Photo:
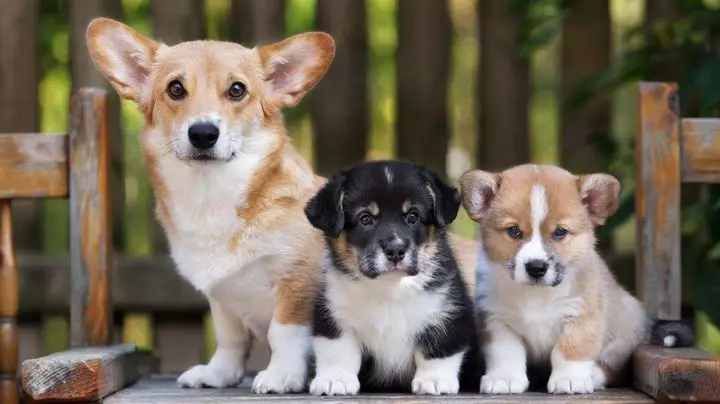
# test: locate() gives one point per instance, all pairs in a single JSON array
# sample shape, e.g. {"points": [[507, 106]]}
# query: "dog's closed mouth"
{"points": [[204, 157]]}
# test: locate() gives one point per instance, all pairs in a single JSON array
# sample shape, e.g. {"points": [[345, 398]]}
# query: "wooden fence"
{"points": [[153, 306]]}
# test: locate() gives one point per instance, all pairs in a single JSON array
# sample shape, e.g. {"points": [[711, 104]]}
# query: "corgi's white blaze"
{"points": [[337, 362], [437, 376], [533, 249], [388, 175]]}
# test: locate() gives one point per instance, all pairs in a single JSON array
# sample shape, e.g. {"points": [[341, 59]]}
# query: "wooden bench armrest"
{"points": [[677, 374]]}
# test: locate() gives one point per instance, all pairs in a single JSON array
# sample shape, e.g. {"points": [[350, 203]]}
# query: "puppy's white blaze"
{"points": [[337, 362], [388, 175], [533, 249], [287, 371], [437, 376], [571, 377]]}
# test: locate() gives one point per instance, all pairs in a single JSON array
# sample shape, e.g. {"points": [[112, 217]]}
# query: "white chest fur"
{"points": [[385, 315]]}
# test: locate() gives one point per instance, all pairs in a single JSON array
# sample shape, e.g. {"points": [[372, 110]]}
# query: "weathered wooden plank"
{"points": [[701, 150], [678, 374], [256, 22], [163, 389], [90, 222], [8, 308], [79, 375], [175, 21], [33, 165], [657, 148]]}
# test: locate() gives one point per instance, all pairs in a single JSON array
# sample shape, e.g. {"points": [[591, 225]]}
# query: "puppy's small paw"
{"points": [[280, 381], [565, 382], [334, 385], [504, 383], [205, 376], [435, 385]]}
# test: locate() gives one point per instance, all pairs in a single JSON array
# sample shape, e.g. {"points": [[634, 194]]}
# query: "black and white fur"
{"points": [[393, 312]]}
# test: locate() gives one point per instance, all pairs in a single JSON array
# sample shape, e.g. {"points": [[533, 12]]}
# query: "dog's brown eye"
{"points": [[366, 220], [514, 232], [237, 91], [412, 217], [559, 234], [176, 91]]}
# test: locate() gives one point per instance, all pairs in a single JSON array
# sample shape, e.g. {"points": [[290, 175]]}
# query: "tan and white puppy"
{"points": [[547, 296], [230, 188]]}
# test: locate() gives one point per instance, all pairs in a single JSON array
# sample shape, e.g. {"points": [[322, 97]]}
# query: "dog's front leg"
{"points": [[227, 366], [289, 337], [506, 361], [574, 370]]}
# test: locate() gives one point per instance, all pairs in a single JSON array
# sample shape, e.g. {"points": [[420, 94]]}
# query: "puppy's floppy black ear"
{"points": [[324, 210], [446, 199]]}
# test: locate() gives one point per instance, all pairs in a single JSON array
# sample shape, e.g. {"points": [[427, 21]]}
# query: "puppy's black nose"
{"points": [[395, 250], [203, 135], [536, 268]]}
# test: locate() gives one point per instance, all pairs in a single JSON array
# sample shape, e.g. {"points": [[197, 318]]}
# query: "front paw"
{"points": [[435, 385], [570, 381], [205, 376], [504, 382], [280, 381], [344, 385]]}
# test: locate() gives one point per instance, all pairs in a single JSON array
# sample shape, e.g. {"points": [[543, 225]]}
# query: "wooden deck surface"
{"points": [[162, 389]]}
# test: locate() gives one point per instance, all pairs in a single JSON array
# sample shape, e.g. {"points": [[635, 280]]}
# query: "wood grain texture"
{"points": [[678, 374], [79, 375], [8, 307], [162, 389], [657, 148], [90, 223], [33, 165], [701, 150]]}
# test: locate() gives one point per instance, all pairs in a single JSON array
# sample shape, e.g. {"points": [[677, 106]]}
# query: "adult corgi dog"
{"points": [[394, 311], [230, 188], [548, 298]]}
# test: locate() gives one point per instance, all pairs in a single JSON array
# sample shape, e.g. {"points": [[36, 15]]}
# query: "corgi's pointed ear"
{"points": [[293, 66], [122, 55], [325, 210], [478, 188], [600, 193], [446, 199]]}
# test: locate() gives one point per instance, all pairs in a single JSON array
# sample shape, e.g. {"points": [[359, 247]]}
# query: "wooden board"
{"points": [[8, 308], [678, 374], [33, 165], [82, 374], [162, 389], [701, 150]]}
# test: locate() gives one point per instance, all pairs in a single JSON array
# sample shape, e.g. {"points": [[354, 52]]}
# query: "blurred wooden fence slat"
{"points": [[8, 307], [175, 21], [19, 109], [422, 75], [339, 104], [33, 165], [84, 74], [504, 93], [257, 21], [585, 50]]}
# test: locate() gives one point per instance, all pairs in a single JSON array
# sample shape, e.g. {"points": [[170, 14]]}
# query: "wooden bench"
{"points": [[670, 150]]}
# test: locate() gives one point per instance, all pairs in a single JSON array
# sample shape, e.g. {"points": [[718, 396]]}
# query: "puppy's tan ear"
{"points": [[478, 189], [122, 55], [293, 66], [600, 193]]}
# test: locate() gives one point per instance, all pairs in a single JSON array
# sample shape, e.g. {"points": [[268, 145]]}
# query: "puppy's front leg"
{"points": [[338, 362], [574, 370], [438, 360], [506, 360], [289, 337], [227, 366]]}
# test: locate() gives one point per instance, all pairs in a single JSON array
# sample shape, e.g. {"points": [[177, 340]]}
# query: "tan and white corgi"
{"points": [[230, 188], [547, 297]]}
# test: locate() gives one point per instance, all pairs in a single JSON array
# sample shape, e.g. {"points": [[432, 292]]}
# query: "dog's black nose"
{"points": [[395, 250], [203, 135], [536, 268]]}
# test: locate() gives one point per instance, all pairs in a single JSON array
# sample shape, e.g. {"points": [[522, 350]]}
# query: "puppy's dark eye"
{"points": [[514, 232], [366, 220], [412, 217], [559, 234], [237, 91], [176, 91]]}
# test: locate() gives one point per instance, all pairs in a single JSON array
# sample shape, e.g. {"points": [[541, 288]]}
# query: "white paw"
{"points": [[280, 381], [504, 383], [345, 385], [205, 376], [563, 381], [435, 385]]}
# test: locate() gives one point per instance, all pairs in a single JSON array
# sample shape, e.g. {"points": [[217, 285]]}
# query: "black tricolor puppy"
{"points": [[393, 312]]}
